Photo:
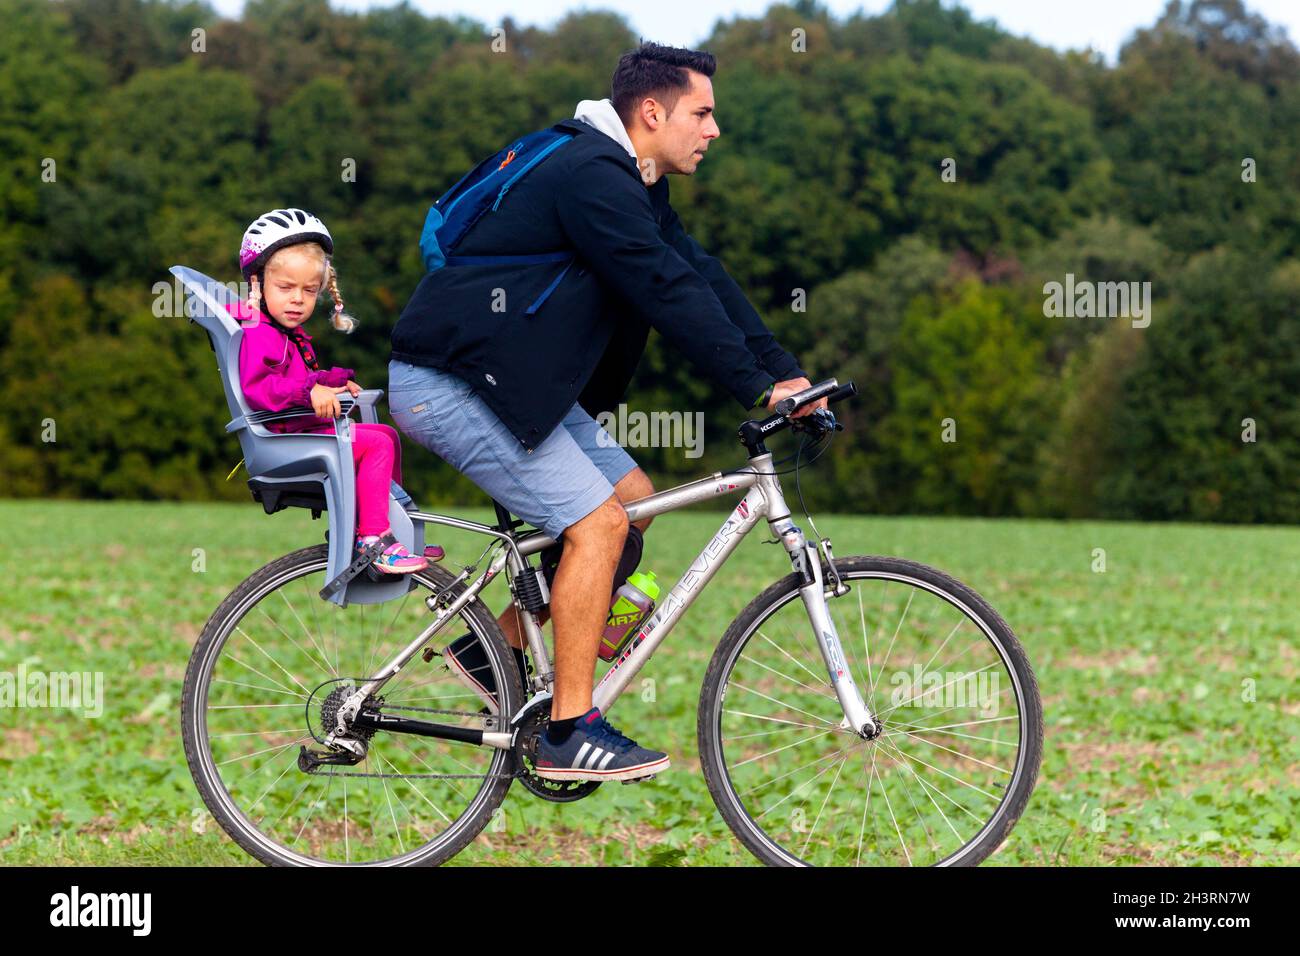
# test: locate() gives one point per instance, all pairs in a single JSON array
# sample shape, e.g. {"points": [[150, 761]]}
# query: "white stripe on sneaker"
{"points": [[596, 754], [605, 763], [577, 761]]}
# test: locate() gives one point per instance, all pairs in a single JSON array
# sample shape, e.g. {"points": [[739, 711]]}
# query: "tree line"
{"points": [[895, 193]]}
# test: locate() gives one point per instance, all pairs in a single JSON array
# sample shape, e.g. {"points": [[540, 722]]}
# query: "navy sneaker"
{"points": [[595, 750], [466, 660]]}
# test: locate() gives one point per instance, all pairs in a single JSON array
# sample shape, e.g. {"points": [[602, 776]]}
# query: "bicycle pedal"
{"points": [[639, 779]]}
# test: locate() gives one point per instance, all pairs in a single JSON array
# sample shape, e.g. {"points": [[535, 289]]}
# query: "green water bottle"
{"points": [[633, 603]]}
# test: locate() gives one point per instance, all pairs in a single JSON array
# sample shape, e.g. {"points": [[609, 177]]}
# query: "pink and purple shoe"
{"points": [[393, 557]]}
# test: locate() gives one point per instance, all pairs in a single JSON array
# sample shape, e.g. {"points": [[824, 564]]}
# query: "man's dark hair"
{"points": [[657, 71]]}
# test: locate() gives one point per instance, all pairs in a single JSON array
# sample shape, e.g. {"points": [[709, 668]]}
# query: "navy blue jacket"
{"points": [[634, 267]]}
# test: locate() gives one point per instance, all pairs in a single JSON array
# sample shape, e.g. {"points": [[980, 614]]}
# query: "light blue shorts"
{"points": [[566, 478]]}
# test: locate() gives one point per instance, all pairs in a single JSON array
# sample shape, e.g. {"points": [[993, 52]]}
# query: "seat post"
{"points": [[504, 522]]}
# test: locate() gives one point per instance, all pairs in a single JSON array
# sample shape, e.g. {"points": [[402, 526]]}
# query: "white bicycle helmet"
{"points": [[274, 230]]}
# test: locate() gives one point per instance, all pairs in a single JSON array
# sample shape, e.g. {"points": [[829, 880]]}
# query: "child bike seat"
{"points": [[300, 470]]}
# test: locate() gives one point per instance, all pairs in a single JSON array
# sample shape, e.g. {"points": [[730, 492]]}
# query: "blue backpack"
{"points": [[479, 190]]}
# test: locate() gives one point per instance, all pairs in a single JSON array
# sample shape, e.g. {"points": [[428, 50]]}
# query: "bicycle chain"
{"points": [[430, 710]]}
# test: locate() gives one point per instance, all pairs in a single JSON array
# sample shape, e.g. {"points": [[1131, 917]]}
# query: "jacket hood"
{"points": [[601, 115]]}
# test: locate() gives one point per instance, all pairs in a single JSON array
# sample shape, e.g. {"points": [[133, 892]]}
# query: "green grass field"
{"points": [[1169, 682]]}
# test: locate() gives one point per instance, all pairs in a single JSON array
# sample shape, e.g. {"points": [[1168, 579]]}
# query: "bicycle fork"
{"points": [[806, 561]]}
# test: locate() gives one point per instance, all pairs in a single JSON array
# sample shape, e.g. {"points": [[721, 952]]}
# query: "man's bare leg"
{"points": [[580, 603], [633, 486]]}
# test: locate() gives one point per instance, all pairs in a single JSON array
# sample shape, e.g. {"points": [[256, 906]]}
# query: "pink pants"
{"points": [[377, 453]]}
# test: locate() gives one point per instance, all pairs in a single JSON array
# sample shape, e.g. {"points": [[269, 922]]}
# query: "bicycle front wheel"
{"points": [[962, 735], [266, 680]]}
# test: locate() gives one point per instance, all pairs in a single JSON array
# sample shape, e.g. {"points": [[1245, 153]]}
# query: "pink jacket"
{"points": [[274, 376]]}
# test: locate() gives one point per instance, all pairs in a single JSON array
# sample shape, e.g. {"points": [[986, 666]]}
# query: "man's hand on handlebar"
{"points": [[801, 407], [791, 387]]}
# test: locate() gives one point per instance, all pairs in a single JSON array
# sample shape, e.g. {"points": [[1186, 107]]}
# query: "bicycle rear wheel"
{"points": [[962, 735], [273, 660]]}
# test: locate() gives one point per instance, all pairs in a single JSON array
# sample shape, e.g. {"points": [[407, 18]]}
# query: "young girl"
{"points": [[285, 257]]}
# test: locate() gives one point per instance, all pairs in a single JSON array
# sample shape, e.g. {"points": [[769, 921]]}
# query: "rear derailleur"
{"points": [[346, 745]]}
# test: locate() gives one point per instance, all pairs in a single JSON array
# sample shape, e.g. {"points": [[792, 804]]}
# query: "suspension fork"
{"points": [[807, 564]]}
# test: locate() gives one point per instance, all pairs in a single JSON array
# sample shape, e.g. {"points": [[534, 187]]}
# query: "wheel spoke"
{"points": [[820, 810], [305, 688], [267, 676], [791, 773], [795, 661], [792, 680], [865, 805], [984, 763], [778, 720], [323, 657], [780, 749], [783, 704], [893, 819], [897, 628]]}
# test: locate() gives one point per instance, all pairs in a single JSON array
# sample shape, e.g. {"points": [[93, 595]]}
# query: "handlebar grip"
{"points": [[847, 390], [786, 405]]}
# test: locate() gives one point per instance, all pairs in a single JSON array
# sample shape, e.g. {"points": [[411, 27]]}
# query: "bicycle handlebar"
{"points": [[799, 399], [753, 433], [847, 390]]}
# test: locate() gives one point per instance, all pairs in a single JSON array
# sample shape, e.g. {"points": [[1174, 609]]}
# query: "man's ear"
{"points": [[652, 115]]}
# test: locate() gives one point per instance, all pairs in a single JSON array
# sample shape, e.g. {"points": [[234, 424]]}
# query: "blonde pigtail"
{"points": [[341, 320]]}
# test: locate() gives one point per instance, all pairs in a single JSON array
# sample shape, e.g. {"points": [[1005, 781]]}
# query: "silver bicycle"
{"points": [[860, 710]]}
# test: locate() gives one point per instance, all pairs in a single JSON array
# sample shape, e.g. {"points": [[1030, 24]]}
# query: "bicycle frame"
{"points": [[764, 498]]}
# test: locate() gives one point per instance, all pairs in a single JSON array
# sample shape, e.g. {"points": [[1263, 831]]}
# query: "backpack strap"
{"points": [[480, 191], [540, 155]]}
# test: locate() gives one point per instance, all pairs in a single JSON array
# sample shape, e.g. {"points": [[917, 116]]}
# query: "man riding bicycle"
{"points": [[499, 368]]}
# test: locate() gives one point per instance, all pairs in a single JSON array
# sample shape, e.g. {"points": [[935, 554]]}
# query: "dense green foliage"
{"points": [[825, 197]]}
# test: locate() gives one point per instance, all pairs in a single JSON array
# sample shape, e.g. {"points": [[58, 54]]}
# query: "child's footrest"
{"points": [[361, 562]]}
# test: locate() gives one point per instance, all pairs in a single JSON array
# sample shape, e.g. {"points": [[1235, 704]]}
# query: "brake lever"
{"points": [[817, 423], [832, 423]]}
